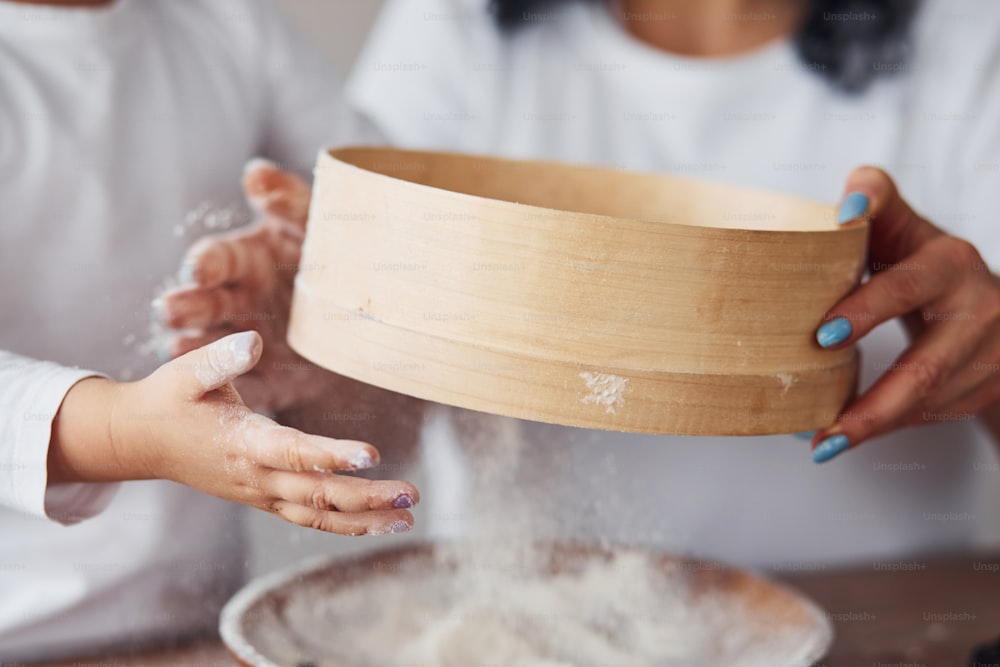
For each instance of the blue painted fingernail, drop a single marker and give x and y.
(400, 527)
(854, 206)
(834, 332)
(805, 435)
(403, 502)
(830, 448)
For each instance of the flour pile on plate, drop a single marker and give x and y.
(516, 592)
(479, 608)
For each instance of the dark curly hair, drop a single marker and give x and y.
(848, 42)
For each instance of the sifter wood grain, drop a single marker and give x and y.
(575, 295)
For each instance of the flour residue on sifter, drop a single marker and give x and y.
(605, 389)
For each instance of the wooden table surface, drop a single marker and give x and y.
(913, 613)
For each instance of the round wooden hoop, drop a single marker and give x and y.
(576, 295)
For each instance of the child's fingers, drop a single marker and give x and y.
(363, 523)
(282, 448)
(338, 493)
(277, 193)
(213, 366)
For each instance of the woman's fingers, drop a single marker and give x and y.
(364, 523)
(921, 371)
(983, 366)
(277, 193)
(921, 279)
(929, 278)
(907, 268)
(339, 493)
(953, 357)
(980, 397)
(896, 229)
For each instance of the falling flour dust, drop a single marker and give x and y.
(500, 598)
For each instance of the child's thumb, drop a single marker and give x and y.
(277, 193)
(219, 363)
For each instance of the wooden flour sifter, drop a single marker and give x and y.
(574, 295)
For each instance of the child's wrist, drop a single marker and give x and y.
(134, 422)
(80, 447)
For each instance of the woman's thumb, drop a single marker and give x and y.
(219, 363)
(897, 230)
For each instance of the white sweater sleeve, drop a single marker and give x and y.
(30, 395)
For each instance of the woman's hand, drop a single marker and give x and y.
(186, 423)
(243, 280)
(950, 303)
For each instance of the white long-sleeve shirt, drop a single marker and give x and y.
(574, 86)
(115, 124)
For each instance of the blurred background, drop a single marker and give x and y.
(352, 19)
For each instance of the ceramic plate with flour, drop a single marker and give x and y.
(539, 605)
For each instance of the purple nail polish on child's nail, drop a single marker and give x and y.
(403, 502)
(400, 527)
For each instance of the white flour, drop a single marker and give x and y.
(475, 610)
(501, 601)
(224, 358)
(211, 217)
(605, 389)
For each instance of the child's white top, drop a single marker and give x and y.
(115, 123)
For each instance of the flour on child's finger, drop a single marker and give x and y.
(226, 359)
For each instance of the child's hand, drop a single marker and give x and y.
(186, 423)
(243, 280)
